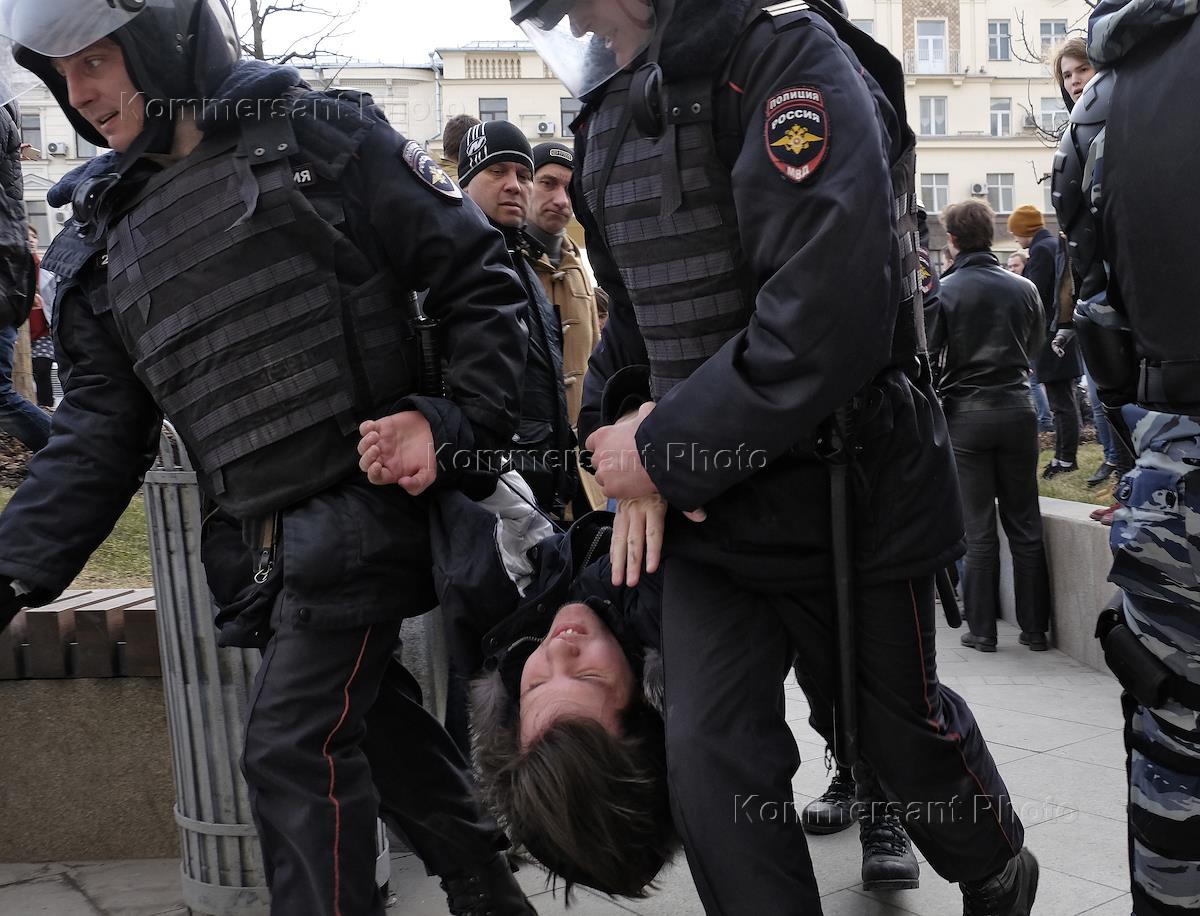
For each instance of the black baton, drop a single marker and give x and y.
(845, 707)
(430, 379)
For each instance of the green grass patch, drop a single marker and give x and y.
(122, 561)
(1073, 485)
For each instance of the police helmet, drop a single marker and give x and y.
(175, 50)
(584, 53)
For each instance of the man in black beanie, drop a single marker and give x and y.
(495, 168)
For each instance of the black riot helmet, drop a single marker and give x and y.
(176, 51)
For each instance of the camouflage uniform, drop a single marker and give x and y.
(1156, 540)
(1156, 532)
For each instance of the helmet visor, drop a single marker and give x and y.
(60, 28)
(586, 42)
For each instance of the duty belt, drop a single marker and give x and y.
(1171, 386)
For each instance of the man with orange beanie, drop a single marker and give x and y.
(1057, 372)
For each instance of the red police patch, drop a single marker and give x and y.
(796, 131)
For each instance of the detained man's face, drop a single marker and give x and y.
(551, 209)
(100, 89)
(1015, 264)
(624, 25)
(579, 671)
(502, 192)
(1075, 75)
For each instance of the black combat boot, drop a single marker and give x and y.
(833, 811)
(490, 890)
(1009, 892)
(888, 862)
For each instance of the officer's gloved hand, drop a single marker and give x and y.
(1062, 340)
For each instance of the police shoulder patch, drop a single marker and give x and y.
(429, 173)
(796, 131)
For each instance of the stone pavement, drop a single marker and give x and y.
(1054, 726)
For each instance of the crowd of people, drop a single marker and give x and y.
(398, 386)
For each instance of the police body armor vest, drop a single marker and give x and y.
(665, 207)
(258, 327)
(683, 269)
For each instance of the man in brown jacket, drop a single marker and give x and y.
(567, 281)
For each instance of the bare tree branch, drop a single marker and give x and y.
(328, 26)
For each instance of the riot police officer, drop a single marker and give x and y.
(1125, 185)
(242, 262)
(725, 156)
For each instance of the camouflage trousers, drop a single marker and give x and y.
(1156, 545)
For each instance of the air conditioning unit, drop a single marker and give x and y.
(978, 189)
(1030, 122)
(58, 148)
(547, 128)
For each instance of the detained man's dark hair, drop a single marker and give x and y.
(972, 223)
(590, 806)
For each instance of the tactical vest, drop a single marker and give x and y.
(683, 269)
(257, 326)
(666, 210)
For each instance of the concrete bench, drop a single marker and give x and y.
(1079, 558)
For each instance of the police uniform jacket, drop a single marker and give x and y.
(345, 548)
(815, 249)
(570, 289)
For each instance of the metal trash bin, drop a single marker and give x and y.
(206, 690)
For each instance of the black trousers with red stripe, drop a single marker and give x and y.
(727, 648)
(334, 732)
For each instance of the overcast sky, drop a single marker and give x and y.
(403, 31)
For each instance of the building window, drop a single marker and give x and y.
(1049, 206)
(1054, 33)
(935, 191)
(1001, 117)
(999, 40)
(1000, 191)
(1054, 115)
(568, 110)
(84, 149)
(31, 131)
(493, 109)
(865, 25)
(39, 217)
(933, 116)
(931, 46)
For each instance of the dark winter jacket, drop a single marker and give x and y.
(989, 322)
(544, 439)
(1044, 269)
(17, 275)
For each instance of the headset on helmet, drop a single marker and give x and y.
(174, 50)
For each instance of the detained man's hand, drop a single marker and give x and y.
(398, 449)
(619, 469)
(637, 534)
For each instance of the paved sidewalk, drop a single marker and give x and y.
(1054, 726)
